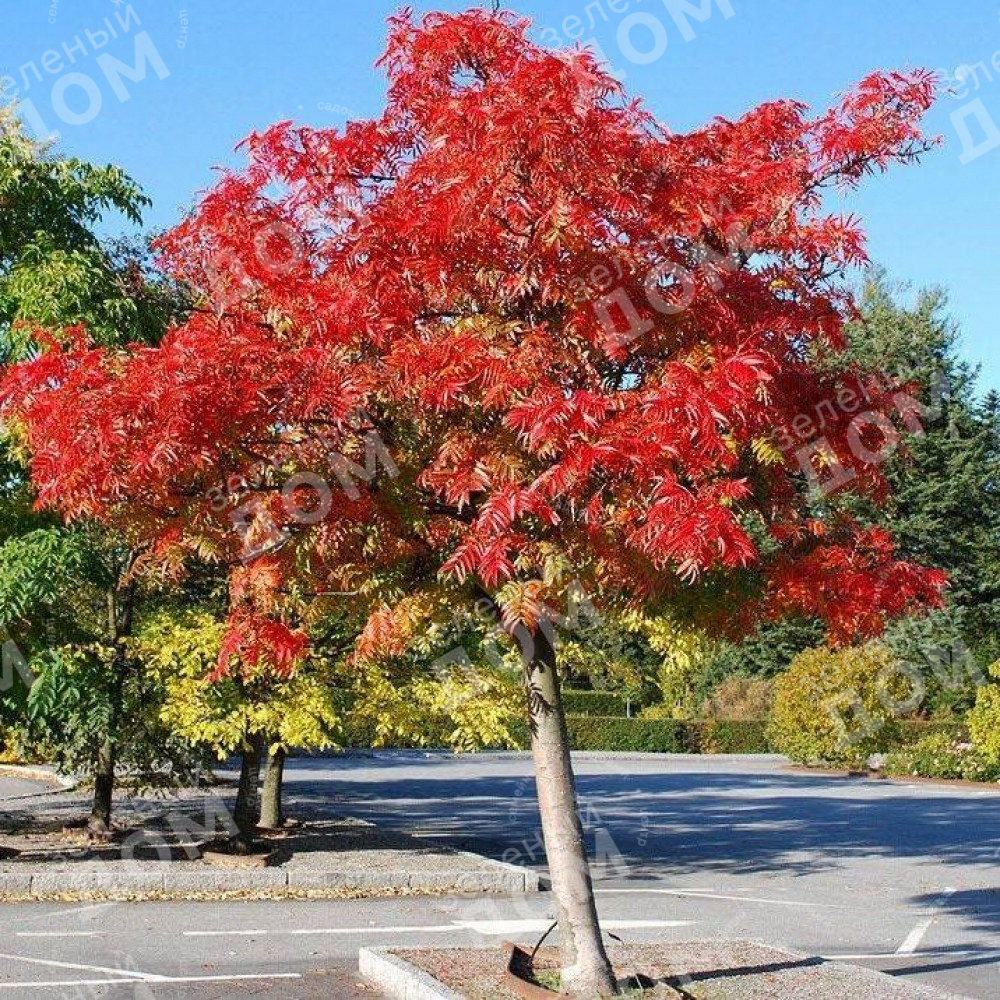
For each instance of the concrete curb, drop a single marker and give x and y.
(517, 874)
(497, 879)
(32, 773)
(398, 979)
(809, 770)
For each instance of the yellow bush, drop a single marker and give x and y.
(984, 718)
(840, 706)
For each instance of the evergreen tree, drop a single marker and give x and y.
(944, 502)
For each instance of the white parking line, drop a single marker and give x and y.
(255, 933)
(63, 983)
(505, 927)
(913, 939)
(84, 968)
(485, 927)
(430, 929)
(698, 894)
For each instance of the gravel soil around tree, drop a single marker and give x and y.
(693, 970)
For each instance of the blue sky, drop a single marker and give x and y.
(246, 63)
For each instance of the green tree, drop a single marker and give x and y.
(55, 271)
(69, 593)
(944, 502)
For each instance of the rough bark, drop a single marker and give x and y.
(99, 823)
(272, 816)
(247, 809)
(586, 969)
(120, 604)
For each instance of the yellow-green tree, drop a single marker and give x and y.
(683, 651)
(329, 700)
(241, 711)
(443, 682)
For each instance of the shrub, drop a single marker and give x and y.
(984, 717)
(593, 703)
(740, 699)
(941, 756)
(637, 735)
(838, 705)
(730, 736)
(913, 730)
(14, 748)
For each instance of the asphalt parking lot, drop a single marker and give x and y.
(903, 878)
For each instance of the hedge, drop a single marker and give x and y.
(642, 735)
(606, 733)
(609, 733)
(734, 737)
(606, 703)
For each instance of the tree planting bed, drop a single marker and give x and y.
(694, 970)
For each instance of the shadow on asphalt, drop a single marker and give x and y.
(930, 964)
(670, 824)
(978, 908)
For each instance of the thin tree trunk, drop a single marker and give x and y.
(272, 816)
(586, 969)
(99, 823)
(120, 605)
(248, 796)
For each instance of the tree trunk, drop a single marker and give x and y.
(247, 797)
(586, 969)
(120, 604)
(99, 823)
(272, 816)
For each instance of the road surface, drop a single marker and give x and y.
(902, 878)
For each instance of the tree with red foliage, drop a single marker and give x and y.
(579, 335)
